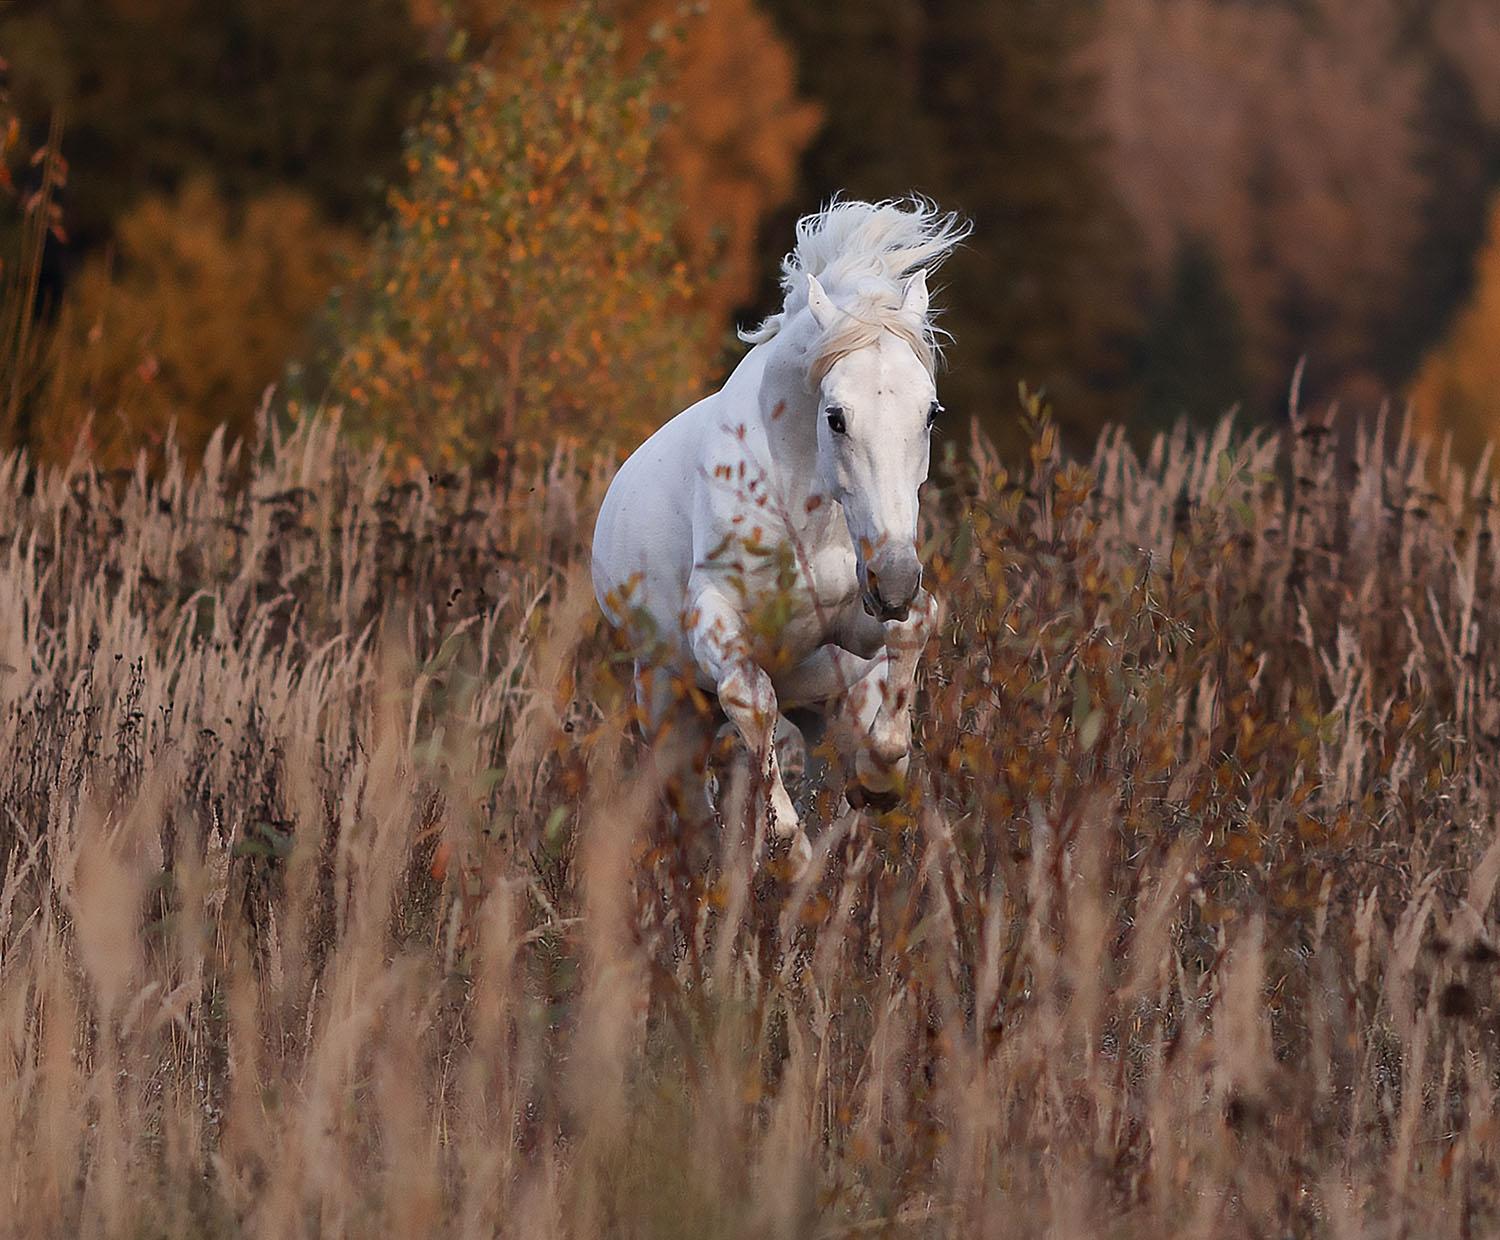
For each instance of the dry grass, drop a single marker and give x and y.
(336, 900)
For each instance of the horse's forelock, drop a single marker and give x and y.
(860, 326)
(863, 253)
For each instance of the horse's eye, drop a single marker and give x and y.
(836, 421)
(934, 411)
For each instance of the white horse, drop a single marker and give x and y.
(796, 482)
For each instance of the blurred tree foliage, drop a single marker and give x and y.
(1458, 386)
(736, 138)
(1328, 159)
(310, 97)
(221, 150)
(1285, 136)
(1458, 160)
(1320, 167)
(260, 93)
(987, 106)
(30, 229)
(188, 318)
(528, 281)
(1193, 350)
(737, 128)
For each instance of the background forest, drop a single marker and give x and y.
(464, 224)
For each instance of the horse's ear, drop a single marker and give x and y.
(824, 312)
(914, 302)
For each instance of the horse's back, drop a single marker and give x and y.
(643, 539)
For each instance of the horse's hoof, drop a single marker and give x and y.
(799, 856)
(783, 814)
(881, 802)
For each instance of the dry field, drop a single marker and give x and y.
(335, 899)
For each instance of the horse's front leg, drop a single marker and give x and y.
(721, 649)
(881, 702)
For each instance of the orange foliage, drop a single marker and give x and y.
(195, 316)
(736, 133)
(1458, 386)
(736, 138)
(528, 281)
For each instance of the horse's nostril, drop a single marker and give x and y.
(885, 612)
(892, 586)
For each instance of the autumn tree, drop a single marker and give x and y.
(1458, 160)
(736, 135)
(222, 149)
(259, 93)
(1284, 136)
(737, 127)
(189, 319)
(527, 281)
(313, 96)
(31, 231)
(1458, 386)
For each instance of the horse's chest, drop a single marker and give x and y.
(832, 578)
(798, 594)
(826, 584)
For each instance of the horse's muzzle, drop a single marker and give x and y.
(885, 612)
(890, 585)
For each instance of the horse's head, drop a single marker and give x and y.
(877, 402)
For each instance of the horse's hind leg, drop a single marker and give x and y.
(680, 735)
(800, 757)
(820, 689)
(804, 757)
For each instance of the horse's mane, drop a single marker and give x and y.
(862, 254)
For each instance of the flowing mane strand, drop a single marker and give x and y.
(863, 253)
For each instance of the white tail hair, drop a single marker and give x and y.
(862, 253)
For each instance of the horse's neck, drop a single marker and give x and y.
(788, 409)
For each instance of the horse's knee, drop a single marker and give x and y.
(889, 743)
(749, 699)
(884, 752)
(881, 764)
(784, 821)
